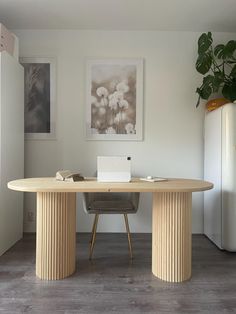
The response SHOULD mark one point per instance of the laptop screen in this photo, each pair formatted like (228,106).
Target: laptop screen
(113,168)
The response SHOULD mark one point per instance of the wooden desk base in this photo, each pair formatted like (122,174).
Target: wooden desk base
(56,235)
(171,236)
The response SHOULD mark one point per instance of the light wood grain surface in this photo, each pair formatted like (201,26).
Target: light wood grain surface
(56,227)
(171,236)
(171,210)
(91,185)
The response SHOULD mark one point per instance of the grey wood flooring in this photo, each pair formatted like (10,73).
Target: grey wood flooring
(111,283)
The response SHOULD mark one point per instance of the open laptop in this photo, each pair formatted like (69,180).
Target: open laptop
(113,168)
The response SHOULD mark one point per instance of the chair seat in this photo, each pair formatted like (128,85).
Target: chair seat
(110,203)
(112,207)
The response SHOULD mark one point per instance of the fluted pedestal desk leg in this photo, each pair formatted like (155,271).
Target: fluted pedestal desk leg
(56,227)
(171,236)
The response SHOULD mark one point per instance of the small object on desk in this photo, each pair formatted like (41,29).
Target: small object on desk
(62,174)
(74,177)
(153,179)
(67,175)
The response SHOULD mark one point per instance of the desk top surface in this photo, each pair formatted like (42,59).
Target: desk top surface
(91,185)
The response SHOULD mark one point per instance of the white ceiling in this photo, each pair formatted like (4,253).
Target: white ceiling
(184,15)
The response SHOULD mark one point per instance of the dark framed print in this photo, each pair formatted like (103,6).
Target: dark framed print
(40,96)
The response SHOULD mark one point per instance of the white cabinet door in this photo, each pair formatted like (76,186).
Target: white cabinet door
(213,173)
(229,177)
(12,149)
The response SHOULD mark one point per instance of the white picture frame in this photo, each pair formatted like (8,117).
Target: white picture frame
(40,97)
(118,113)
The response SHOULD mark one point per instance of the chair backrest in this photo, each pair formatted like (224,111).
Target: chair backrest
(89,198)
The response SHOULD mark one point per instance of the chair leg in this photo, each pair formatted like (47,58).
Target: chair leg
(91,239)
(93,236)
(128,234)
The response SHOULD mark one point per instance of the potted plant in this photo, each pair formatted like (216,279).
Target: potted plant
(218,65)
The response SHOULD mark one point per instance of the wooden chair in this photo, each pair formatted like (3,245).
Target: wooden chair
(110,203)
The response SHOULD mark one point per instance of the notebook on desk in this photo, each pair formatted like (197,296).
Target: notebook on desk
(113,169)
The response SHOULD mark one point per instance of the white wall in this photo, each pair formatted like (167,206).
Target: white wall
(173,127)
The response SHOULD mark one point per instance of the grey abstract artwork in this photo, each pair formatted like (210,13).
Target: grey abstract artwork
(37,97)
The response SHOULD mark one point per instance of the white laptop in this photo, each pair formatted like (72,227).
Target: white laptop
(113,168)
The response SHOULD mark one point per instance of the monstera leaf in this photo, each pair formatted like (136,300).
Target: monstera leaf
(204,42)
(204,62)
(233,72)
(229,90)
(226,51)
(210,85)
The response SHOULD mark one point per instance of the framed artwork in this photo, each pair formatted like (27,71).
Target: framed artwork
(40,92)
(114,99)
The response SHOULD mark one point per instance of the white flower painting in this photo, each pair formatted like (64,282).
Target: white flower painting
(114,99)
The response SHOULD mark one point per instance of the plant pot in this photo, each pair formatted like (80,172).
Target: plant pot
(216,103)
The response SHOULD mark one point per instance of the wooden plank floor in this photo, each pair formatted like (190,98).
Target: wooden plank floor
(113,284)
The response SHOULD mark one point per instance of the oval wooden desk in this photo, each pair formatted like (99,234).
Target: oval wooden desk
(56,223)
